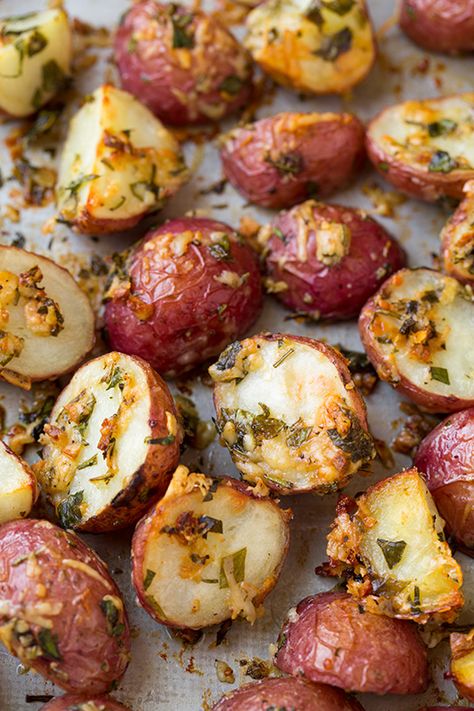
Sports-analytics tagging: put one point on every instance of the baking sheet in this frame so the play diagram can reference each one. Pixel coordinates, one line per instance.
(163, 673)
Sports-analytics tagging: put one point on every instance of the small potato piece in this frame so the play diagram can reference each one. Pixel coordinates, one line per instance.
(281, 160)
(18, 488)
(289, 413)
(425, 148)
(286, 693)
(321, 48)
(35, 56)
(183, 64)
(390, 544)
(417, 331)
(330, 639)
(462, 663)
(183, 294)
(118, 164)
(60, 611)
(457, 239)
(439, 25)
(46, 321)
(111, 444)
(327, 260)
(72, 702)
(209, 551)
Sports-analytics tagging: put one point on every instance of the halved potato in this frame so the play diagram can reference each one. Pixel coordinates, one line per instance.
(290, 414)
(18, 488)
(457, 239)
(119, 163)
(46, 321)
(390, 544)
(321, 47)
(417, 331)
(425, 148)
(35, 56)
(111, 444)
(462, 663)
(210, 550)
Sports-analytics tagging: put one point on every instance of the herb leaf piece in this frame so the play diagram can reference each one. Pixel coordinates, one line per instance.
(335, 45)
(69, 511)
(441, 162)
(392, 551)
(49, 643)
(238, 562)
(440, 374)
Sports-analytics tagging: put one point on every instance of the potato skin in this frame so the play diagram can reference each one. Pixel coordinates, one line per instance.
(287, 692)
(333, 642)
(193, 314)
(90, 652)
(462, 646)
(72, 702)
(163, 66)
(278, 161)
(439, 25)
(457, 239)
(315, 286)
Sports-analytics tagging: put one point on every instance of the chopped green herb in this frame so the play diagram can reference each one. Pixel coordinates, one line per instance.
(119, 204)
(44, 122)
(383, 166)
(282, 358)
(228, 357)
(238, 569)
(297, 435)
(335, 45)
(116, 377)
(440, 374)
(231, 84)
(221, 248)
(392, 551)
(115, 626)
(36, 43)
(416, 602)
(164, 441)
(150, 574)
(75, 185)
(441, 162)
(286, 163)
(208, 524)
(442, 127)
(88, 463)
(69, 511)
(53, 77)
(49, 643)
(279, 481)
(261, 426)
(340, 7)
(279, 233)
(357, 442)
(211, 581)
(182, 36)
(430, 296)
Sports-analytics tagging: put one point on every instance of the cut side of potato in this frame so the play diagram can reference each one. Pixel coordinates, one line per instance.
(211, 550)
(118, 164)
(110, 445)
(462, 663)
(35, 56)
(391, 546)
(290, 414)
(18, 488)
(457, 239)
(46, 321)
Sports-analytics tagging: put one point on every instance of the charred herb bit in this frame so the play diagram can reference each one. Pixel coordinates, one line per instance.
(183, 38)
(44, 122)
(340, 7)
(441, 127)
(69, 511)
(260, 669)
(231, 84)
(440, 374)
(36, 43)
(228, 357)
(314, 14)
(335, 45)
(441, 162)
(150, 574)
(261, 426)
(38, 698)
(164, 441)
(286, 164)
(115, 626)
(415, 602)
(88, 463)
(392, 551)
(238, 569)
(188, 527)
(357, 442)
(222, 631)
(54, 78)
(199, 559)
(49, 644)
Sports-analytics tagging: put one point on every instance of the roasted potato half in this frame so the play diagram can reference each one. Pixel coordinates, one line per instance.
(289, 413)
(286, 693)
(417, 331)
(390, 545)
(72, 702)
(284, 159)
(118, 164)
(322, 48)
(210, 550)
(329, 638)
(457, 239)
(18, 488)
(462, 663)
(327, 260)
(46, 321)
(60, 611)
(439, 25)
(111, 444)
(35, 56)
(424, 147)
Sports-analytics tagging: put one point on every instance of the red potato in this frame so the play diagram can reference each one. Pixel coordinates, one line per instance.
(183, 64)
(111, 444)
(60, 611)
(286, 693)
(462, 663)
(183, 294)
(447, 708)
(457, 239)
(439, 25)
(73, 702)
(327, 260)
(446, 459)
(330, 639)
(279, 161)
(425, 147)
(417, 331)
(18, 487)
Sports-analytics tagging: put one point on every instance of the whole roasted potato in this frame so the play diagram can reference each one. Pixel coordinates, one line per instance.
(439, 25)
(462, 663)
(281, 160)
(422, 147)
(327, 260)
(183, 64)
(111, 444)
(73, 702)
(286, 693)
(18, 487)
(323, 48)
(328, 638)
(183, 294)
(290, 414)
(417, 331)
(60, 611)
(457, 239)
(389, 545)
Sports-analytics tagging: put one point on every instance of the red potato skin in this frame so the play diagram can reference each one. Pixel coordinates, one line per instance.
(286, 693)
(339, 291)
(461, 645)
(70, 702)
(172, 89)
(439, 25)
(85, 223)
(333, 642)
(336, 140)
(92, 659)
(185, 328)
(462, 215)
(447, 708)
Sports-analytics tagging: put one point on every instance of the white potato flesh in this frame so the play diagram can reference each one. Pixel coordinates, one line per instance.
(119, 161)
(457, 238)
(18, 489)
(46, 356)
(35, 56)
